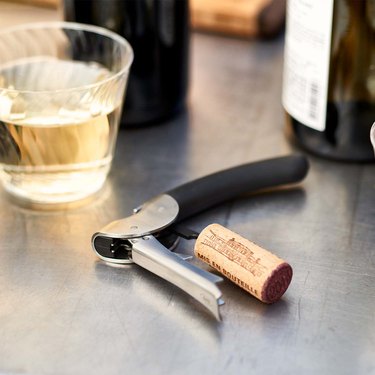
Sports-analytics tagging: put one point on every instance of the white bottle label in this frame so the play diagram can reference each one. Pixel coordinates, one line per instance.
(306, 60)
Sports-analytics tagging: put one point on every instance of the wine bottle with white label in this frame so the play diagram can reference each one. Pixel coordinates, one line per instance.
(329, 76)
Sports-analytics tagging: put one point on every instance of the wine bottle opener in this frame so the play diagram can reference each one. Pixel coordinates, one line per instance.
(147, 237)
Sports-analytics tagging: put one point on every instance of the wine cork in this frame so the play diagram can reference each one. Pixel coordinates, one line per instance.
(256, 270)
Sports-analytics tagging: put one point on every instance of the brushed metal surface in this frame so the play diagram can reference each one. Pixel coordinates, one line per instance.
(64, 312)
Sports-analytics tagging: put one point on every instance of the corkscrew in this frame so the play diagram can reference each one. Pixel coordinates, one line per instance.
(148, 236)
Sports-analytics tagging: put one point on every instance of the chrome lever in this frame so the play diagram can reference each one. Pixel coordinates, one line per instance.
(150, 254)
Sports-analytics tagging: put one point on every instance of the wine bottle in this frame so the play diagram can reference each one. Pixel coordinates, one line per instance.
(329, 76)
(158, 31)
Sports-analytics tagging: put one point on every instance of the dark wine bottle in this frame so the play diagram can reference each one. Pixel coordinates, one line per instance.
(158, 31)
(329, 76)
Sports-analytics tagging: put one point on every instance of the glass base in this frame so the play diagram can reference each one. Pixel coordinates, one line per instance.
(54, 187)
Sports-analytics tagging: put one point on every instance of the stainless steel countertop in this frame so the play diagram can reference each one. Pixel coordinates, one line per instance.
(64, 312)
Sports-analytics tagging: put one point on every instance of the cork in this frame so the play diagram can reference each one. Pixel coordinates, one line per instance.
(253, 268)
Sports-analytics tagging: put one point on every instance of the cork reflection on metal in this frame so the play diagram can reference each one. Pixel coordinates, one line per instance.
(248, 265)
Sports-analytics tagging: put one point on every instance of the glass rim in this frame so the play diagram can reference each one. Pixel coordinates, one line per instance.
(71, 26)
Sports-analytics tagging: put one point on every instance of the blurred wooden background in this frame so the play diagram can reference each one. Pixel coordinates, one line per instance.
(45, 3)
(241, 18)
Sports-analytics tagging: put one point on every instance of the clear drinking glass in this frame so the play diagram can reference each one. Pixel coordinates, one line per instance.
(61, 91)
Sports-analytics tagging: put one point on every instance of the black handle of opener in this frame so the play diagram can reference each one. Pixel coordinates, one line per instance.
(208, 191)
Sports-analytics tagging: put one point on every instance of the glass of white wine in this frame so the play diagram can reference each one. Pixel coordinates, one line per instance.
(61, 91)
